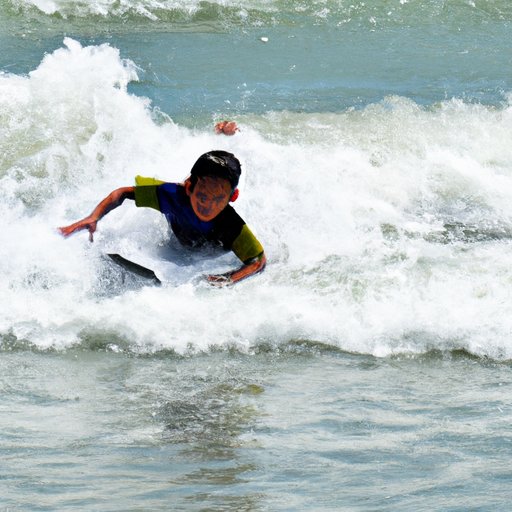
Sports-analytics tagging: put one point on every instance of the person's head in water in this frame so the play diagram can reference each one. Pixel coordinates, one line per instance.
(212, 183)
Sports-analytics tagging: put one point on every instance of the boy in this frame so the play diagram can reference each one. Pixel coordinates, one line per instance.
(197, 211)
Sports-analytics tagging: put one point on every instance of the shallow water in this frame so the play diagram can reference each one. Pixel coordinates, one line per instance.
(300, 428)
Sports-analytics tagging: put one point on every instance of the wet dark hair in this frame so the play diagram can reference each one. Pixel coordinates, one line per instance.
(217, 164)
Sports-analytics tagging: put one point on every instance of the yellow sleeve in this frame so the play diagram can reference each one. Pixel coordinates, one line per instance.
(145, 192)
(246, 246)
(141, 181)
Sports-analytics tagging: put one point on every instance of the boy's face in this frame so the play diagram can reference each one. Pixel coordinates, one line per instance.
(209, 197)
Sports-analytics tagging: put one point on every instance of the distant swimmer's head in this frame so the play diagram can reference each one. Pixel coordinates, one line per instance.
(217, 164)
(212, 183)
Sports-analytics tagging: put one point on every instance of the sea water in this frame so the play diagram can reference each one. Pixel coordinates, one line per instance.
(368, 367)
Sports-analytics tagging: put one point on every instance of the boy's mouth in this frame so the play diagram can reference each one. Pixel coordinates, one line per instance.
(203, 210)
(203, 213)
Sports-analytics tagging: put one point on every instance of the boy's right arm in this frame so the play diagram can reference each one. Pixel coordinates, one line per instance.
(113, 200)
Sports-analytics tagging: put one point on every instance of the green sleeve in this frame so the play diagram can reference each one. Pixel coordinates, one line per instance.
(246, 246)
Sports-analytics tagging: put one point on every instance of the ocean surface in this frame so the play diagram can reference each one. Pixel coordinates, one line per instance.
(369, 367)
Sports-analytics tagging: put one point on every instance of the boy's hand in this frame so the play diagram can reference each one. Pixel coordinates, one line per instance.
(88, 223)
(220, 280)
(229, 278)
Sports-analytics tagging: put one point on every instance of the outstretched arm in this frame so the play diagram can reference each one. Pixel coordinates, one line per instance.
(251, 268)
(113, 200)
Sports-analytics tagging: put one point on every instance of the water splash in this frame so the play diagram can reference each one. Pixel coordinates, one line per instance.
(387, 228)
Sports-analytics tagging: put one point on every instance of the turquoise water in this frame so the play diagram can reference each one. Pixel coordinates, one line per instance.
(328, 56)
(368, 367)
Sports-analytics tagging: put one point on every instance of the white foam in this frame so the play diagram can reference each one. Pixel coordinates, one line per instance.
(372, 14)
(146, 8)
(362, 215)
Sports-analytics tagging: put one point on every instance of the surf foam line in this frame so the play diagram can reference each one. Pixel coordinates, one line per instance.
(374, 15)
(387, 229)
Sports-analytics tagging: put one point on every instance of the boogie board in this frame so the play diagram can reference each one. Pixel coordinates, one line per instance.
(135, 268)
(169, 265)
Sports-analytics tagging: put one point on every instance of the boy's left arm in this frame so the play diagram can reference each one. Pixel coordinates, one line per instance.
(249, 250)
(249, 269)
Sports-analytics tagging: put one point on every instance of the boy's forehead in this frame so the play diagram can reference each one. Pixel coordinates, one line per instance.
(214, 181)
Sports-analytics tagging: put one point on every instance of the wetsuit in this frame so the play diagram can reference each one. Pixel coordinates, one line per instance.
(227, 229)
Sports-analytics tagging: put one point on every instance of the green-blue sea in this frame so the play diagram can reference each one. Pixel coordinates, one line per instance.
(369, 368)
